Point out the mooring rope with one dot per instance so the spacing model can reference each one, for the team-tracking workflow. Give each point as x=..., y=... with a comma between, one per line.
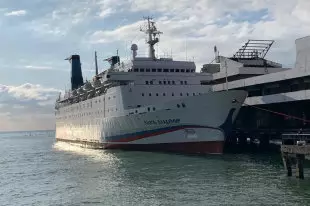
x=278, y=113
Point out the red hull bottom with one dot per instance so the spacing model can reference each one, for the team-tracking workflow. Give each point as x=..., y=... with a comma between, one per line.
x=214, y=147
x=211, y=147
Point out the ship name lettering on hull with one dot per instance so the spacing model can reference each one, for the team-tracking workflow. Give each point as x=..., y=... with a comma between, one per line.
x=165, y=121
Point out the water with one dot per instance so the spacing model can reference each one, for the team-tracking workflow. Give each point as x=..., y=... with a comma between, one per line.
x=36, y=171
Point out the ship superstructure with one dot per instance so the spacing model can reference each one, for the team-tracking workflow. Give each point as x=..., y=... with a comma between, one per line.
x=147, y=103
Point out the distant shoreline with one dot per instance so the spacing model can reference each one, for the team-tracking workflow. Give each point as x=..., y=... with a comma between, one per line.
x=52, y=130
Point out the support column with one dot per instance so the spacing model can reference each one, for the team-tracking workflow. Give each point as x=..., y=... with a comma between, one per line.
x=300, y=166
x=242, y=140
x=264, y=142
x=287, y=164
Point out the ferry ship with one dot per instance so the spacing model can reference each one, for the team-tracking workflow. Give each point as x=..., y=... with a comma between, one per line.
x=278, y=96
x=148, y=103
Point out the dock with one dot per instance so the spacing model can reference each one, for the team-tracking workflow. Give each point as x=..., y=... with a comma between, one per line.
x=294, y=149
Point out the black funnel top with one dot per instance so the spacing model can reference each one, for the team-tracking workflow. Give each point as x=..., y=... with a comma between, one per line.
x=76, y=72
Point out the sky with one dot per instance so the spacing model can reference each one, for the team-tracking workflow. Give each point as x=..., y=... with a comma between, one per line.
x=36, y=36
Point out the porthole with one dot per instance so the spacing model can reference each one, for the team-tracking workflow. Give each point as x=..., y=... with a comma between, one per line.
x=148, y=109
x=154, y=109
x=156, y=94
x=183, y=105
x=150, y=94
x=146, y=82
x=164, y=94
x=187, y=94
x=173, y=94
x=142, y=94
x=178, y=105
x=181, y=94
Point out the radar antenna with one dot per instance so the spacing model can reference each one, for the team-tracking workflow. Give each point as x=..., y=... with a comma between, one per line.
x=153, y=35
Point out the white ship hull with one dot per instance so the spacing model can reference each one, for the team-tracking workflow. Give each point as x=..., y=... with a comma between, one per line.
x=197, y=127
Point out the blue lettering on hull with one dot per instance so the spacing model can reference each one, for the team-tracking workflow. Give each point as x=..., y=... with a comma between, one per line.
x=161, y=122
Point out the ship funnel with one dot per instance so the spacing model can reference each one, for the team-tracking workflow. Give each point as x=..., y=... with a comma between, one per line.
x=134, y=49
x=76, y=72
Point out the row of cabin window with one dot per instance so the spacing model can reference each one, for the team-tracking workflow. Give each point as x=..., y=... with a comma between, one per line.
x=164, y=70
x=164, y=94
x=87, y=113
x=149, y=109
x=88, y=105
x=165, y=82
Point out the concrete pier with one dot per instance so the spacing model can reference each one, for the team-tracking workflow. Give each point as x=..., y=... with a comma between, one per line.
x=294, y=148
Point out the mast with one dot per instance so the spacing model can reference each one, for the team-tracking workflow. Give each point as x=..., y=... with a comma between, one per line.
x=96, y=63
x=153, y=35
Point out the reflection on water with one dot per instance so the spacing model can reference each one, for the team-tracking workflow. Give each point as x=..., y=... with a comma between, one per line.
x=38, y=171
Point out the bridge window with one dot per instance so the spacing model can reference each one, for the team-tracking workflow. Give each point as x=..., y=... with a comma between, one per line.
x=164, y=82
x=185, y=82
x=159, y=82
x=183, y=105
x=136, y=70
x=146, y=82
x=172, y=94
x=148, y=70
x=164, y=94
x=142, y=94
x=150, y=94
x=168, y=82
x=187, y=70
x=156, y=94
x=177, y=70
x=166, y=70
x=153, y=70
x=181, y=94
x=141, y=70
x=151, y=82
x=154, y=109
x=159, y=70
x=193, y=70
x=173, y=82
x=178, y=105
x=181, y=82
x=171, y=70
x=194, y=94
x=182, y=70
x=148, y=109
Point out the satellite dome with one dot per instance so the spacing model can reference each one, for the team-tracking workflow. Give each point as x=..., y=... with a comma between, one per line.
x=134, y=47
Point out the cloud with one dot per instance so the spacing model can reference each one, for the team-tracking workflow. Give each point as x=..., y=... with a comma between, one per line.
x=29, y=92
x=27, y=106
x=37, y=67
x=193, y=28
x=16, y=13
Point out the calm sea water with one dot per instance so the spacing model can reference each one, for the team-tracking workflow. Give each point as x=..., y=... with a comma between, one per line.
x=36, y=171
